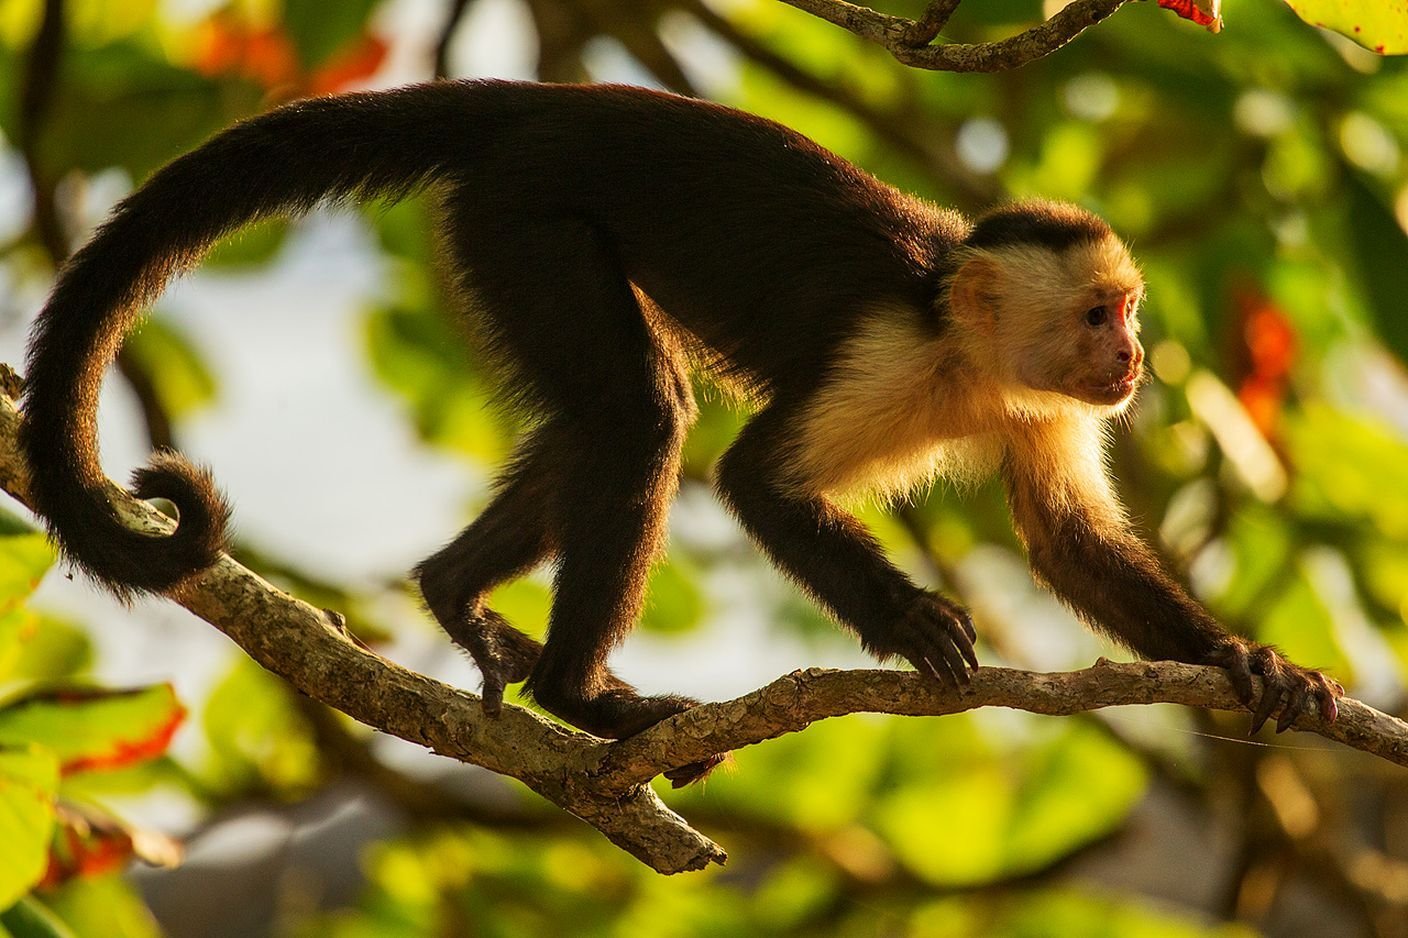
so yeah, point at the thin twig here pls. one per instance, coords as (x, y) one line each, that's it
(901, 37)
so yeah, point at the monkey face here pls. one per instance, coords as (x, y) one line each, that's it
(1057, 320)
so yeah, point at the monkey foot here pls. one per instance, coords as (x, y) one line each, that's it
(1285, 685)
(503, 654)
(936, 636)
(695, 771)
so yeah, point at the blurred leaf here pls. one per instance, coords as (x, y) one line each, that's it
(90, 729)
(25, 556)
(256, 737)
(124, 106)
(1349, 468)
(1376, 25)
(319, 29)
(29, 918)
(35, 647)
(1298, 623)
(1065, 912)
(29, 779)
(183, 382)
(984, 818)
(1381, 250)
(252, 246)
(716, 428)
(106, 907)
(674, 602)
(416, 353)
(1260, 542)
(525, 603)
(818, 780)
(89, 843)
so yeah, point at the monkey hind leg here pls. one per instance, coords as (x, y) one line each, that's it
(555, 304)
(510, 537)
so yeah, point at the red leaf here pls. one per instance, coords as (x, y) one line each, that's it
(1203, 12)
(89, 842)
(356, 61)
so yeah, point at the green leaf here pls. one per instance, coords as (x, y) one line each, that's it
(1298, 623)
(318, 29)
(36, 647)
(255, 735)
(125, 105)
(1349, 468)
(28, 918)
(252, 246)
(91, 729)
(183, 383)
(416, 352)
(1377, 25)
(983, 816)
(1381, 250)
(25, 556)
(1029, 914)
(104, 907)
(674, 602)
(29, 779)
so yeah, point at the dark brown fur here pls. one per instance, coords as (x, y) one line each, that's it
(577, 220)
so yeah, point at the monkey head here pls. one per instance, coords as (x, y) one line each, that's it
(1045, 298)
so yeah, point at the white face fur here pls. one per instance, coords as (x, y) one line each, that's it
(1063, 321)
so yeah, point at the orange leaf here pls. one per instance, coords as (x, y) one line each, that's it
(1203, 12)
(356, 61)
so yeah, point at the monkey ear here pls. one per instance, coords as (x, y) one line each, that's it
(973, 294)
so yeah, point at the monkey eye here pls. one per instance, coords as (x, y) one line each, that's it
(1097, 315)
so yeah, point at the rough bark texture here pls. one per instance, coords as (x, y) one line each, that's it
(605, 784)
(908, 40)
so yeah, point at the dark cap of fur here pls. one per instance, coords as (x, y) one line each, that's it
(1054, 225)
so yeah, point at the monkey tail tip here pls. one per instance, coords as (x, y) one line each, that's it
(128, 562)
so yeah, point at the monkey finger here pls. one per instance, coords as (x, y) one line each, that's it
(966, 621)
(1240, 674)
(954, 658)
(1270, 696)
(492, 694)
(937, 666)
(1293, 707)
(963, 638)
(1329, 709)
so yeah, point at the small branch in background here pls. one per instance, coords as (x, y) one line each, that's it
(37, 91)
(901, 37)
(927, 28)
(913, 134)
(458, 8)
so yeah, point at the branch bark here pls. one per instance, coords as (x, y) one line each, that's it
(605, 783)
(908, 40)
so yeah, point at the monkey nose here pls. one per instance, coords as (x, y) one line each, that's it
(1124, 355)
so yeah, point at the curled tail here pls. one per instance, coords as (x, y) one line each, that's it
(283, 162)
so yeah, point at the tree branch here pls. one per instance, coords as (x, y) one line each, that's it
(908, 40)
(604, 783)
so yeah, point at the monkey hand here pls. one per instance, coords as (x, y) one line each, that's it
(1283, 683)
(933, 634)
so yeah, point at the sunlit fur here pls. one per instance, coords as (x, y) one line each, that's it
(906, 404)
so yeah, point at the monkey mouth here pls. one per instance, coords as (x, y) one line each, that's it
(1114, 392)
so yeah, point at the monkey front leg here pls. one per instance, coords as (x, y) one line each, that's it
(1080, 545)
(831, 555)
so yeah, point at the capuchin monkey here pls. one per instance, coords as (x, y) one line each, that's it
(604, 240)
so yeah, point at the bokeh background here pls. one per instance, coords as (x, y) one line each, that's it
(1259, 175)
